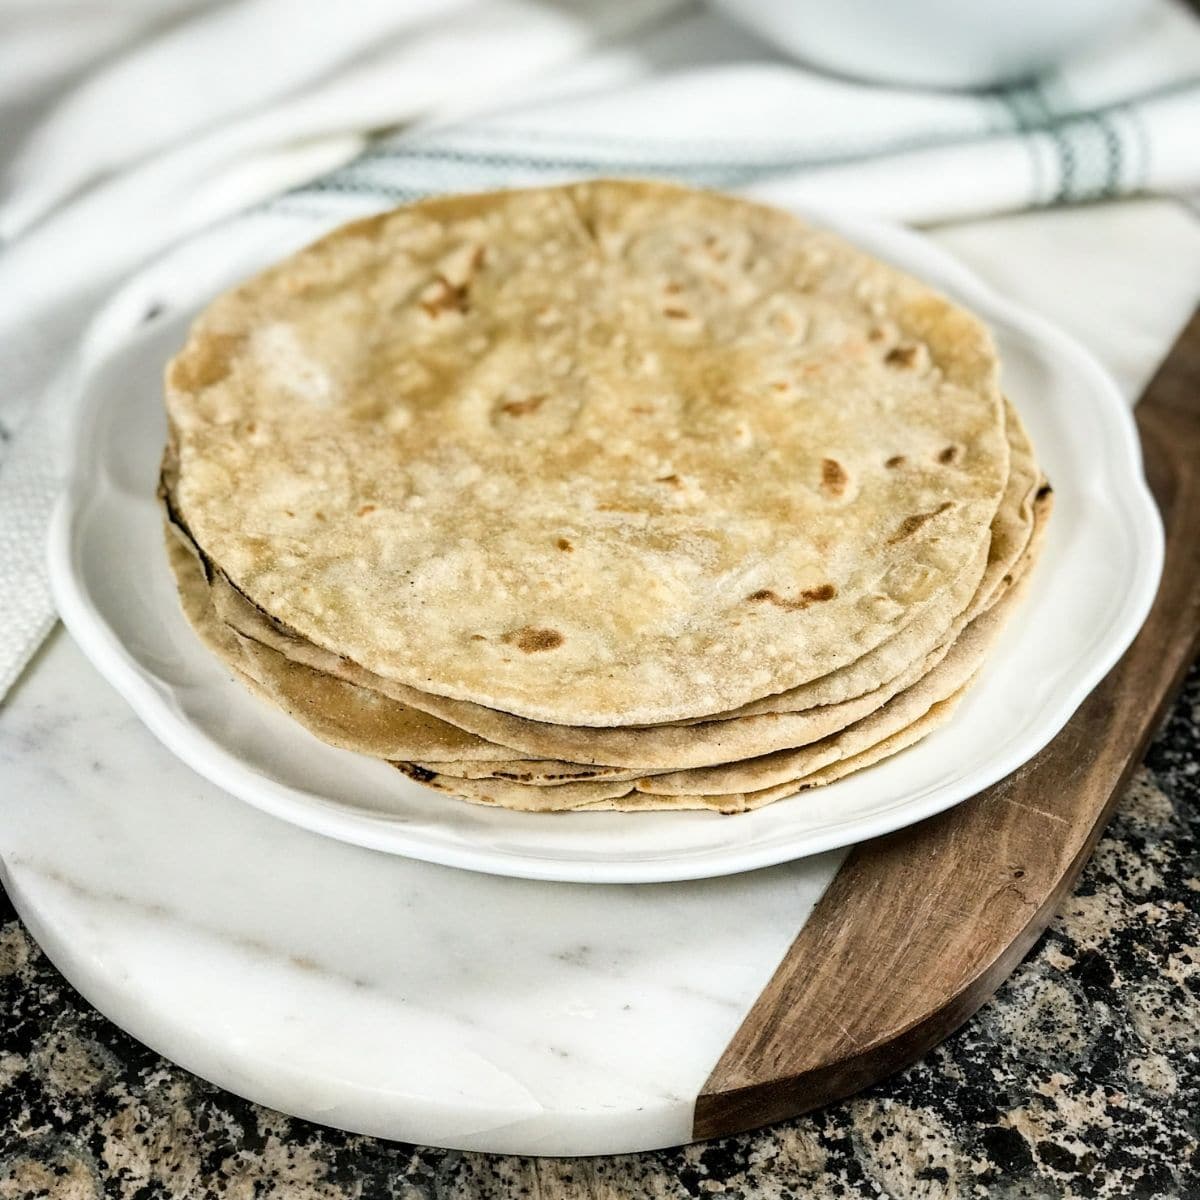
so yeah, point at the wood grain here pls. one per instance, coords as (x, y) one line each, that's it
(919, 928)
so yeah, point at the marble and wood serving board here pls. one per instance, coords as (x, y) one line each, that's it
(417, 1002)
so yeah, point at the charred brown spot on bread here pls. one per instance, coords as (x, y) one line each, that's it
(833, 477)
(366, 510)
(897, 460)
(1044, 491)
(532, 640)
(420, 774)
(716, 251)
(442, 296)
(910, 525)
(671, 479)
(673, 287)
(676, 313)
(948, 455)
(901, 357)
(522, 408)
(587, 218)
(206, 361)
(565, 545)
(808, 597)
(876, 335)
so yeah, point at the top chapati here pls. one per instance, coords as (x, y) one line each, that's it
(613, 453)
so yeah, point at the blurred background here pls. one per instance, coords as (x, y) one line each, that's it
(125, 124)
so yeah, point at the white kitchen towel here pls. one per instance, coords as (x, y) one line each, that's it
(689, 99)
(234, 59)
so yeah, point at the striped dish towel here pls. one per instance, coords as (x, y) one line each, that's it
(684, 96)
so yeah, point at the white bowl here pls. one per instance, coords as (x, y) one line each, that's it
(934, 43)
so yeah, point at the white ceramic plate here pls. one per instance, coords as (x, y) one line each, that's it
(1090, 594)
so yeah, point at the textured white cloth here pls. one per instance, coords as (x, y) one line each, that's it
(492, 93)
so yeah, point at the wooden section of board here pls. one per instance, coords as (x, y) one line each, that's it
(921, 927)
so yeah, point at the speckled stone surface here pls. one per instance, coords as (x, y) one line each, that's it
(1081, 1078)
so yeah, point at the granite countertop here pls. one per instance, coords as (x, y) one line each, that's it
(1081, 1078)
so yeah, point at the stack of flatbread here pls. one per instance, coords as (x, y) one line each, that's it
(610, 496)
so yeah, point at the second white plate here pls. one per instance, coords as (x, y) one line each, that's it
(1090, 594)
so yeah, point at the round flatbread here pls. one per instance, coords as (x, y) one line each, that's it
(609, 454)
